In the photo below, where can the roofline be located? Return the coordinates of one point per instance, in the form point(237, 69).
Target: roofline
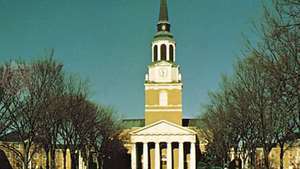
point(165, 121)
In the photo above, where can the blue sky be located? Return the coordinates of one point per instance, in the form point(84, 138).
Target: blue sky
point(108, 43)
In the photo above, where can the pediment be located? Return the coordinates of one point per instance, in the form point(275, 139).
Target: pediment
point(163, 127)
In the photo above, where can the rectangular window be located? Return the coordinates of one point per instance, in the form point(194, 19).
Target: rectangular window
point(163, 98)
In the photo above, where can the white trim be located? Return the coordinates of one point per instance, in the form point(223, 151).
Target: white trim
point(163, 110)
point(163, 86)
point(164, 138)
point(170, 105)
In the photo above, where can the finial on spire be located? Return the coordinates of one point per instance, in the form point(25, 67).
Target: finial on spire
point(163, 13)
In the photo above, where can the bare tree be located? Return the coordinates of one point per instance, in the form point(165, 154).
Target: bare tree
point(44, 107)
point(107, 128)
point(78, 119)
point(218, 124)
point(246, 113)
point(251, 75)
point(260, 106)
point(6, 97)
point(51, 74)
point(280, 47)
point(24, 112)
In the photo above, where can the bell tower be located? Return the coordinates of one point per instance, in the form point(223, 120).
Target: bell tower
point(163, 86)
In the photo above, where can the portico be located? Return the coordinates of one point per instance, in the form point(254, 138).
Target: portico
point(172, 145)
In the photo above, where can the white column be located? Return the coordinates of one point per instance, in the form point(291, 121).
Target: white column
point(152, 51)
point(133, 156)
point(181, 156)
point(193, 156)
point(157, 156)
point(80, 166)
point(158, 52)
point(174, 52)
point(168, 51)
point(169, 156)
point(145, 155)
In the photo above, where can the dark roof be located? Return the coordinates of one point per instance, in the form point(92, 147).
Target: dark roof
point(163, 13)
point(190, 122)
point(11, 137)
point(129, 123)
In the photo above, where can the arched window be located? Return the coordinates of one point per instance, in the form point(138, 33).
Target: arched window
point(155, 53)
point(163, 98)
point(163, 50)
point(171, 49)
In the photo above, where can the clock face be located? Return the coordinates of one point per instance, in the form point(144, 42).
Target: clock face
point(163, 27)
point(163, 72)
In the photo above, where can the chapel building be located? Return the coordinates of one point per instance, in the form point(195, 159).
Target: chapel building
point(163, 143)
point(163, 139)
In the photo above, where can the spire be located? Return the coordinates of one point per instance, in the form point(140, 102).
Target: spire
point(163, 21)
point(163, 13)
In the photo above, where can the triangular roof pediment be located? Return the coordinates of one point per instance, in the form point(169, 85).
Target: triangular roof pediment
point(163, 127)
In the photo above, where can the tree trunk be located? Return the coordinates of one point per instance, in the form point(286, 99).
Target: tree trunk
point(88, 160)
point(298, 115)
point(266, 159)
point(73, 160)
point(52, 155)
point(281, 155)
point(99, 161)
point(253, 158)
point(26, 158)
point(46, 147)
point(244, 160)
point(25, 163)
point(65, 157)
point(235, 152)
